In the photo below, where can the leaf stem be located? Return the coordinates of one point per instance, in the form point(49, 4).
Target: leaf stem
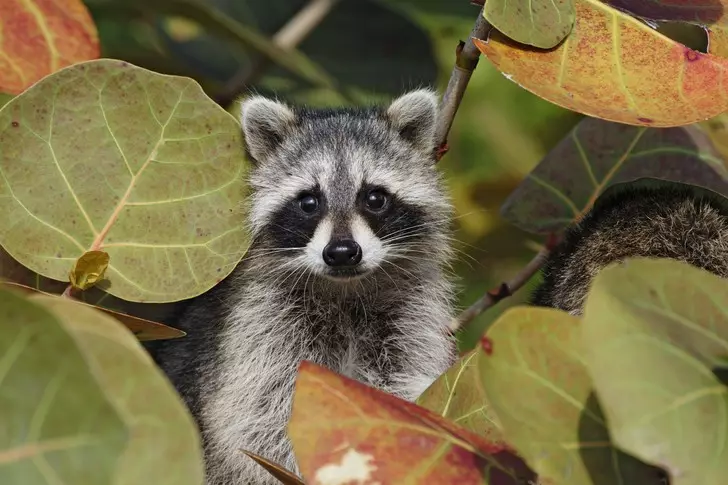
point(466, 60)
point(506, 289)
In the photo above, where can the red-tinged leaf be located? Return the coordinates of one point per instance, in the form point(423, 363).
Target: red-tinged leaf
point(540, 23)
point(710, 14)
point(345, 432)
point(40, 37)
point(614, 67)
point(597, 155)
point(142, 329)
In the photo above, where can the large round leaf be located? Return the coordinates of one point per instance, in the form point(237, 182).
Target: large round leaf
point(656, 332)
point(163, 447)
point(615, 67)
point(56, 418)
point(108, 156)
point(541, 392)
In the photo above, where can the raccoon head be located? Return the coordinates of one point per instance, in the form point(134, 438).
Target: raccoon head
point(343, 193)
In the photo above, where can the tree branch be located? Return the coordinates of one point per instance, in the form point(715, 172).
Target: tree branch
point(505, 289)
point(466, 60)
point(288, 37)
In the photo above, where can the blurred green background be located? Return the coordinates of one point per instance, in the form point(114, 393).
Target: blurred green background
point(363, 51)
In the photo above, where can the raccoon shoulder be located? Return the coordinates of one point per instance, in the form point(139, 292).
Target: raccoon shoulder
point(657, 222)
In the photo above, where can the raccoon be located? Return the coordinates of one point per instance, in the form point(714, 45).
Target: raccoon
point(658, 222)
point(348, 268)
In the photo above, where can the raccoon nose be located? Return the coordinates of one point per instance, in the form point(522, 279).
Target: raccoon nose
point(344, 252)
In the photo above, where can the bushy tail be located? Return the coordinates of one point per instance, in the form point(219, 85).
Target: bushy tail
point(659, 222)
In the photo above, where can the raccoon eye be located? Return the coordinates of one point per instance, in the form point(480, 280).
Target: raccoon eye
point(376, 200)
point(308, 203)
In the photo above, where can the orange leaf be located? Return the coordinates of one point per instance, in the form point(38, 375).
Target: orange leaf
point(615, 67)
point(345, 432)
point(711, 14)
point(40, 37)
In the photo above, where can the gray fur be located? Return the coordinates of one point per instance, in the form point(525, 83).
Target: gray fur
point(387, 328)
point(660, 223)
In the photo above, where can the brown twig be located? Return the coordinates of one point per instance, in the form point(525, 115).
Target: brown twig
point(505, 289)
point(466, 60)
point(288, 37)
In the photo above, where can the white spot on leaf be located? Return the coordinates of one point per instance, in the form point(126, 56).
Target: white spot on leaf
point(354, 468)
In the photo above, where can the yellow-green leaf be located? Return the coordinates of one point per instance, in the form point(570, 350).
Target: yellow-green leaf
point(89, 269)
point(540, 390)
point(56, 417)
point(142, 166)
point(655, 331)
point(540, 23)
point(458, 395)
point(163, 446)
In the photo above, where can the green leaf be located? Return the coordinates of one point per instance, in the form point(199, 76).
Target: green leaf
point(540, 390)
point(139, 165)
point(655, 330)
point(458, 396)
point(56, 418)
point(540, 23)
point(598, 154)
point(163, 447)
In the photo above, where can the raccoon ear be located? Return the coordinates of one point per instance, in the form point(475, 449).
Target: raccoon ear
point(265, 122)
point(414, 116)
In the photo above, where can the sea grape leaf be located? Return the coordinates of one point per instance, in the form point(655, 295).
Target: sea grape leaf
point(540, 23)
point(56, 416)
point(710, 14)
point(280, 473)
point(160, 428)
point(142, 329)
point(140, 165)
point(346, 430)
point(40, 37)
point(458, 396)
point(655, 330)
point(613, 66)
point(89, 269)
point(540, 389)
point(598, 154)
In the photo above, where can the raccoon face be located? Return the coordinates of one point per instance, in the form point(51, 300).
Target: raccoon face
point(342, 193)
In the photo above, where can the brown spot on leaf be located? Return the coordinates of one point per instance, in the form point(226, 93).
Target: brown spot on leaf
point(691, 55)
point(644, 120)
point(15, 124)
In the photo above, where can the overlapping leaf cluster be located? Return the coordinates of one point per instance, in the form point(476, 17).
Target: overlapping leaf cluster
point(146, 172)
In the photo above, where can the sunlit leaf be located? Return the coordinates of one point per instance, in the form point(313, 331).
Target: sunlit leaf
point(281, 474)
point(346, 431)
point(38, 37)
point(139, 165)
point(711, 14)
point(540, 23)
point(89, 269)
point(458, 396)
point(142, 329)
point(654, 331)
point(613, 66)
point(540, 390)
point(598, 154)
